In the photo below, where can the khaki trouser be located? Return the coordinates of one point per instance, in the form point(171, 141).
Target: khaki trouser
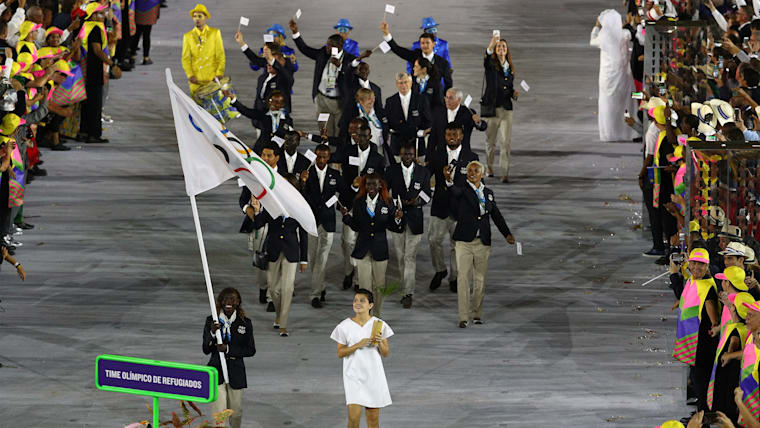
point(499, 131)
point(281, 276)
point(319, 251)
point(372, 277)
point(406, 245)
point(439, 228)
point(472, 259)
point(256, 243)
point(335, 109)
point(229, 398)
point(347, 242)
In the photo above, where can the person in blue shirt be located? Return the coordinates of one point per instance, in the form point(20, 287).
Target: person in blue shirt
point(278, 32)
point(343, 27)
point(441, 47)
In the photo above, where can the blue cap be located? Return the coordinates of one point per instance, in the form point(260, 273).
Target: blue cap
point(343, 22)
point(428, 22)
point(277, 28)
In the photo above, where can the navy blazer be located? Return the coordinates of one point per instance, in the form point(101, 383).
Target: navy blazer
point(440, 118)
point(375, 164)
point(239, 346)
point(333, 184)
point(321, 58)
point(286, 237)
point(413, 217)
point(301, 164)
point(432, 94)
point(402, 129)
point(371, 237)
point(351, 85)
point(263, 122)
point(439, 63)
point(470, 222)
point(441, 206)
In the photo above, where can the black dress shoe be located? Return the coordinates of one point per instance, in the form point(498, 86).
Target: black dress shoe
point(348, 281)
point(462, 324)
point(322, 296)
point(96, 140)
point(24, 225)
point(407, 301)
point(315, 303)
point(453, 285)
point(263, 295)
point(147, 61)
point(270, 307)
point(36, 170)
point(437, 278)
point(477, 321)
point(60, 147)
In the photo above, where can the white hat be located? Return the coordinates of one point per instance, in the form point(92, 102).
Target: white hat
point(731, 232)
point(734, 249)
point(723, 111)
point(706, 116)
point(653, 103)
point(716, 215)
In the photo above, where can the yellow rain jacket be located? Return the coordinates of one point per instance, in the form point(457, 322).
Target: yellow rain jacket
point(203, 55)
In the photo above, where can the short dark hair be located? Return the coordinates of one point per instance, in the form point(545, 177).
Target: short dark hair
point(278, 93)
point(292, 135)
point(751, 76)
point(322, 148)
point(336, 40)
point(410, 144)
point(364, 291)
point(426, 64)
point(733, 134)
point(273, 47)
point(271, 145)
point(454, 126)
point(427, 36)
point(691, 120)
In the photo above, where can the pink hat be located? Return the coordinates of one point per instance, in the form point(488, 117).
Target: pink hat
point(699, 255)
point(753, 306)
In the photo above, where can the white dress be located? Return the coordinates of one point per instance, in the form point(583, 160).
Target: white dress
point(363, 374)
point(615, 78)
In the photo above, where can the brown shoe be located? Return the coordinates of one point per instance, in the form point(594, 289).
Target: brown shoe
point(490, 172)
point(505, 179)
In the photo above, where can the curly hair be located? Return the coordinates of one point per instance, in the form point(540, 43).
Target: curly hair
point(224, 293)
point(362, 193)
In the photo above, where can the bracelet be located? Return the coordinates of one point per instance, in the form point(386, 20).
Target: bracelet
point(17, 265)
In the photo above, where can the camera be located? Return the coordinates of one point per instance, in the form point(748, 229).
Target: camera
point(677, 258)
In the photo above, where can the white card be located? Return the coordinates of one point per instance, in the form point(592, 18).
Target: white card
point(311, 156)
point(389, 8)
point(323, 117)
point(354, 160)
point(278, 140)
point(268, 38)
point(467, 100)
point(335, 52)
point(298, 13)
point(525, 86)
point(244, 21)
point(519, 248)
point(384, 46)
point(241, 183)
point(497, 33)
point(424, 196)
point(330, 202)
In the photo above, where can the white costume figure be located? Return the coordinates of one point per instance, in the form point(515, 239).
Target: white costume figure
point(615, 78)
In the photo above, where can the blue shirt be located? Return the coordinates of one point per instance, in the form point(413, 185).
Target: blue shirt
point(286, 50)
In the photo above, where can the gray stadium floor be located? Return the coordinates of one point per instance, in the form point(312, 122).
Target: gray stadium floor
point(571, 337)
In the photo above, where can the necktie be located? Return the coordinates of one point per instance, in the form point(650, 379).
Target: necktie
point(482, 200)
point(370, 212)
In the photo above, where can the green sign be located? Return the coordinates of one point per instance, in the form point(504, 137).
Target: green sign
point(157, 379)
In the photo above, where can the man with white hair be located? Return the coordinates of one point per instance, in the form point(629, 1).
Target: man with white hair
point(473, 207)
point(453, 111)
point(406, 116)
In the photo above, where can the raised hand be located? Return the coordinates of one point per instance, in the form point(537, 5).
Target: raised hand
point(293, 26)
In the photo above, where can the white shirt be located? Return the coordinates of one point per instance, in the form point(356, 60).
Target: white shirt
point(264, 85)
point(372, 202)
point(407, 173)
point(363, 374)
point(482, 189)
point(290, 161)
point(331, 71)
point(321, 173)
point(405, 99)
point(276, 116)
point(453, 155)
point(650, 139)
point(363, 155)
point(364, 84)
point(430, 57)
point(452, 114)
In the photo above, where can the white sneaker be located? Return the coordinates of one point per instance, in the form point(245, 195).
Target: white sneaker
point(13, 242)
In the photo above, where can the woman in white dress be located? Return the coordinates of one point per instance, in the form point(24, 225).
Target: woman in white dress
point(615, 78)
point(363, 374)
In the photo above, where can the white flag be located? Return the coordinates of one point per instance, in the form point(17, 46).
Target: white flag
point(389, 8)
point(211, 154)
point(244, 21)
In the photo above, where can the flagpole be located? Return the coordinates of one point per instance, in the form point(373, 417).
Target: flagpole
point(209, 289)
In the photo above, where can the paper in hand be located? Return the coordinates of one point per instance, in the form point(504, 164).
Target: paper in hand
point(354, 160)
point(278, 140)
point(335, 52)
point(241, 183)
point(519, 248)
point(268, 38)
point(384, 46)
point(525, 86)
point(424, 196)
point(330, 202)
point(389, 8)
point(244, 21)
point(311, 156)
point(298, 13)
point(467, 100)
point(323, 117)
point(497, 33)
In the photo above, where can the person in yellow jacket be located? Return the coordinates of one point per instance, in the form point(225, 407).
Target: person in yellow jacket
point(202, 51)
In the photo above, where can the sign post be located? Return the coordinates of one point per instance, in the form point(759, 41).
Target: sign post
point(157, 379)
